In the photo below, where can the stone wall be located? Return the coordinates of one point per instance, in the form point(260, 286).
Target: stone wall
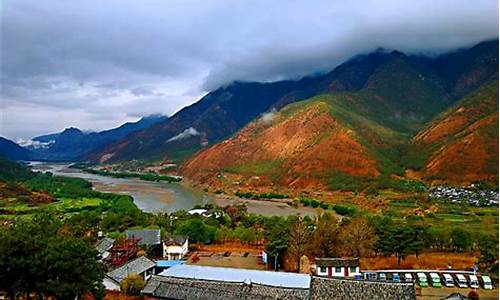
point(337, 288)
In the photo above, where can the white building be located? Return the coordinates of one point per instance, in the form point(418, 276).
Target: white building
point(175, 248)
point(337, 267)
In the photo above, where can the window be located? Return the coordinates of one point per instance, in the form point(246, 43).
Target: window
point(338, 269)
point(352, 269)
point(322, 269)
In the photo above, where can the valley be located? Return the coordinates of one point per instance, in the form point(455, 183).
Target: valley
point(389, 160)
point(159, 197)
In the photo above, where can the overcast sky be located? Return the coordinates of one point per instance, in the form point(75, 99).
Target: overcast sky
point(95, 64)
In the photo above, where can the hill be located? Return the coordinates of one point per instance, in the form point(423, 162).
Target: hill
point(461, 144)
point(414, 88)
point(13, 151)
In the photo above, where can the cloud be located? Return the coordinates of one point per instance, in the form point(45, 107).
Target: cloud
point(110, 61)
point(34, 144)
point(187, 133)
point(268, 117)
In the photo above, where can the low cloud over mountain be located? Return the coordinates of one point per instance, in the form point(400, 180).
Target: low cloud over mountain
point(95, 65)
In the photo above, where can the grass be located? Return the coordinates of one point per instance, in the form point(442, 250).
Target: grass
point(71, 205)
point(448, 215)
point(256, 168)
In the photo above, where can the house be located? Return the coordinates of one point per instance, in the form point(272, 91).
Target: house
point(337, 267)
point(141, 266)
point(103, 246)
point(174, 248)
point(203, 282)
point(148, 237)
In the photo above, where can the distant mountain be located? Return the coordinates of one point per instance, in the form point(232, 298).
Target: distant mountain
point(400, 92)
point(73, 144)
point(13, 151)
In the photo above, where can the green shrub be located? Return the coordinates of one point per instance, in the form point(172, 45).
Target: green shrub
point(344, 210)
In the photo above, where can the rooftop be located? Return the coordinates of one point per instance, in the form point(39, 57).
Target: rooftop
point(147, 236)
point(104, 245)
point(161, 287)
point(175, 240)
point(337, 262)
point(169, 263)
point(279, 279)
point(136, 266)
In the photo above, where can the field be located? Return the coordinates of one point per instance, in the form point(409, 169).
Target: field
point(430, 260)
point(241, 256)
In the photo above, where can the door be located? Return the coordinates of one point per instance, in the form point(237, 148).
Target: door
point(329, 271)
point(346, 271)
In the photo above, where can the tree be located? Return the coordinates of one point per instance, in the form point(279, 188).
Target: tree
point(461, 239)
point(196, 230)
point(300, 236)
point(35, 256)
point(245, 235)
point(70, 268)
point(132, 284)
point(358, 237)
point(325, 242)
point(222, 234)
point(488, 245)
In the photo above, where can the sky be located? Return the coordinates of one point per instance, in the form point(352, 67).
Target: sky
point(96, 64)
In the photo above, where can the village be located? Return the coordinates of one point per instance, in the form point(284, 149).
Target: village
point(172, 268)
point(470, 196)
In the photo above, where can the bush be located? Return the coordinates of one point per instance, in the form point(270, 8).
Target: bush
point(132, 285)
point(315, 203)
point(344, 210)
point(324, 205)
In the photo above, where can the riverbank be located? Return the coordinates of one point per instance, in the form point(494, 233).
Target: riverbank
point(268, 207)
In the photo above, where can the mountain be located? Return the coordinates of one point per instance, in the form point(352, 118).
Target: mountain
point(73, 144)
point(405, 122)
point(461, 144)
point(13, 151)
point(332, 142)
point(412, 88)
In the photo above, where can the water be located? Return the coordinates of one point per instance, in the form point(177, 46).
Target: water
point(149, 196)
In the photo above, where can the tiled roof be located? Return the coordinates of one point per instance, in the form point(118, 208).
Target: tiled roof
point(343, 288)
point(136, 266)
point(280, 279)
point(147, 236)
point(337, 262)
point(104, 245)
point(186, 288)
point(175, 240)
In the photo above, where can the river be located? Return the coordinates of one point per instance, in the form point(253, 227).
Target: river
point(149, 196)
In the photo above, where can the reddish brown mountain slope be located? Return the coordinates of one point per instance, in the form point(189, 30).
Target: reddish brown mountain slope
point(298, 149)
point(461, 145)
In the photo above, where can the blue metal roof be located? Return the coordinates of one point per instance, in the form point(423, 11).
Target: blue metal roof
point(168, 263)
point(281, 279)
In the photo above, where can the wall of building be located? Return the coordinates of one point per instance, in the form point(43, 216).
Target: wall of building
point(334, 272)
point(337, 288)
point(174, 249)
